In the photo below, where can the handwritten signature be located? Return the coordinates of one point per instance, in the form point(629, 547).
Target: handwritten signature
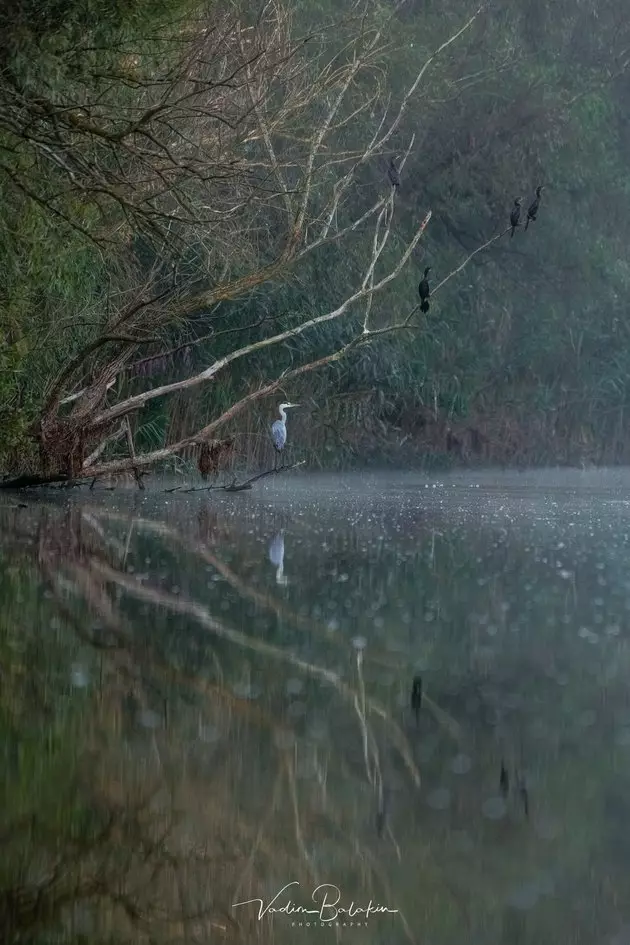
point(326, 897)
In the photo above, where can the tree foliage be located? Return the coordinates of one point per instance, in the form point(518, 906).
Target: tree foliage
point(199, 210)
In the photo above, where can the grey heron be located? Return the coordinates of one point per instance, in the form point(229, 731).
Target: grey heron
point(279, 429)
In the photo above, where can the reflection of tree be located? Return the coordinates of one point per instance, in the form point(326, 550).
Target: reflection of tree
point(220, 797)
point(239, 794)
point(107, 875)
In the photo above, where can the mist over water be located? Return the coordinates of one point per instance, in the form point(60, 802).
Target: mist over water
point(206, 697)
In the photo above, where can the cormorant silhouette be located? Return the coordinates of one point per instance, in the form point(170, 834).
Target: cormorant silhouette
point(532, 212)
point(424, 291)
point(416, 696)
point(392, 173)
point(515, 215)
point(524, 794)
point(504, 781)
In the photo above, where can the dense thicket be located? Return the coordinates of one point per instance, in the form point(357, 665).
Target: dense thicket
point(522, 356)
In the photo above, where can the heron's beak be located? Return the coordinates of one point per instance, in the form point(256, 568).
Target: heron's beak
point(294, 405)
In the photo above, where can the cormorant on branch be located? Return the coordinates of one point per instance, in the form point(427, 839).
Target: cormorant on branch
point(533, 207)
point(424, 291)
point(392, 173)
point(515, 215)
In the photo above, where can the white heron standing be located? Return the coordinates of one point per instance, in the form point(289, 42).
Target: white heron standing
point(279, 429)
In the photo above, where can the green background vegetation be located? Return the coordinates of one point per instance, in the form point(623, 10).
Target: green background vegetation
point(524, 354)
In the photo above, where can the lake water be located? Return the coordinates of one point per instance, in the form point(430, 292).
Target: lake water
point(205, 712)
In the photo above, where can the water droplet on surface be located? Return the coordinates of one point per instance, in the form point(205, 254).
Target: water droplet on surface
point(494, 808)
point(296, 710)
point(546, 828)
point(209, 734)
point(79, 677)
point(294, 687)
point(587, 718)
point(284, 739)
point(461, 764)
point(439, 799)
point(462, 841)
point(545, 884)
point(318, 730)
point(245, 690)
point(149, 719)
point(524, 898)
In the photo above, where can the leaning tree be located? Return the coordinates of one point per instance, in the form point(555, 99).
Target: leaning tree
point(203, 164)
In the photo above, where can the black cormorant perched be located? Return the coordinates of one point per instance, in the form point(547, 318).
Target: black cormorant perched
point(392, 173)
point(416, 696)
point(424, 291)
point(515, 215)
point(532, 212)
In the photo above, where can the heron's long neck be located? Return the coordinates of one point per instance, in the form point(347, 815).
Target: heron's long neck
point(283, 415)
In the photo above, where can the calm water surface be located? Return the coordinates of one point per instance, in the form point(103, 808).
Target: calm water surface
point(205, 698)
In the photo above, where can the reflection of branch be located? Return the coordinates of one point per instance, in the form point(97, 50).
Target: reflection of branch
point(299, 837)
point(275, 796)
point(359, 704)
point(180, 605)
point(265, 600)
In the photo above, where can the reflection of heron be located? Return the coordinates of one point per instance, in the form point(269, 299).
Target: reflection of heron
point(276, 556)
point(279, 429)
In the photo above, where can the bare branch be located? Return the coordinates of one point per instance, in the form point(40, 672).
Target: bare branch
point(366, 289)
